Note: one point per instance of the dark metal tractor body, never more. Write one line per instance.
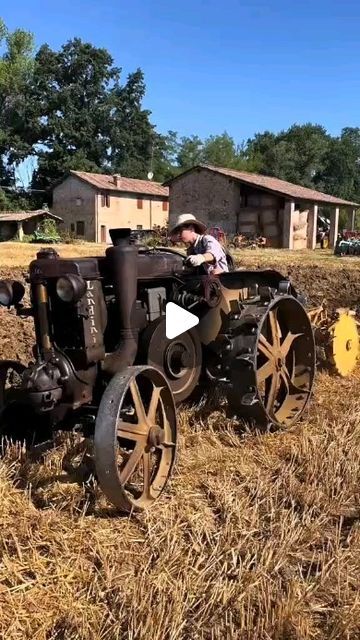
(103, 364)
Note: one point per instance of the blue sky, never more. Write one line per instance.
(211, 66)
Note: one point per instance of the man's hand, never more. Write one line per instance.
(196, 261)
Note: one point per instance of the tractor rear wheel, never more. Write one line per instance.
(273, 367)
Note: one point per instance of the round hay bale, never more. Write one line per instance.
(303, 217)
(271, 230)
(266, 200)
(248, 215)
(296, 217)
(300, 227)
(254, 199)
(299, 243)
(268, 215)
(300, 235)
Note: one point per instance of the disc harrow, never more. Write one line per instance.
(337, 338)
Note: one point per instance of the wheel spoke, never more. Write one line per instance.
(139, 406)
(154, 403)
(147, 473)
(131, 431)
(275, 328)
(291, 388)
(286, 345)
(265, 347)
(274, 386)
(265, 371)
(132, 462)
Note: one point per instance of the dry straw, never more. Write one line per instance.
(257, 536)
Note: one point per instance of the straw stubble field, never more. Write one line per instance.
(257, 535)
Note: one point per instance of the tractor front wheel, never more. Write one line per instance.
(135, 438)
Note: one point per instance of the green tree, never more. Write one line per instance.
(71, 88)
(341, 171)
(164, 161)
(88, 121)
(296, 155)
(133, 140)
(218, 150)
(16, 133)
(190, 152)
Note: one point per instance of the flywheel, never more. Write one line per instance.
(179, 359)
(343, 345)
(271, 362)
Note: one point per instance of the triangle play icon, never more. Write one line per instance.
(178, 320)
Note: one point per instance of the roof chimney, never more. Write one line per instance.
(117, 179)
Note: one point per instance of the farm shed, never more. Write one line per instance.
(19, 223)
(248, 203)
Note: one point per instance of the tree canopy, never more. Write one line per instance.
(72, 109)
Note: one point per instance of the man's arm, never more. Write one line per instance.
(208, 257)
(198, 259)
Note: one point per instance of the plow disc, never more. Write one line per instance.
(338, 335)
(343, 347)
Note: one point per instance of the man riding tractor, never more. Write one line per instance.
(203, 249)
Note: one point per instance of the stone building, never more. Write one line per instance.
(247, 203)
(90, 204)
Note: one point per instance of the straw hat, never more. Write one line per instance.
(188, 218)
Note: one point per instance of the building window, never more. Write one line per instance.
(72, 227)
(165, 205)
(105, 200)
(80, 228)
(139, 203)
(103, 233)
(78, 202)
(139, 226)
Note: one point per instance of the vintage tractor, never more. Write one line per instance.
(103, 366)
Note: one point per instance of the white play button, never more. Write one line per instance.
(178, 320)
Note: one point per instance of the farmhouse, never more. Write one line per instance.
(247, 203)
(91, 204)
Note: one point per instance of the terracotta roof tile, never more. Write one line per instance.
(19, 216)
(281, 187)
(106, 182)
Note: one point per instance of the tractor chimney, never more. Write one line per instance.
(117, 179)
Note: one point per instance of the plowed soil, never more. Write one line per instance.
(257, 535)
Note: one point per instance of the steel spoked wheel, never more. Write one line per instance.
(272, 363)
(135, 438)
(285, 361)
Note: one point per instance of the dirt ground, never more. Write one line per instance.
(256, 537)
